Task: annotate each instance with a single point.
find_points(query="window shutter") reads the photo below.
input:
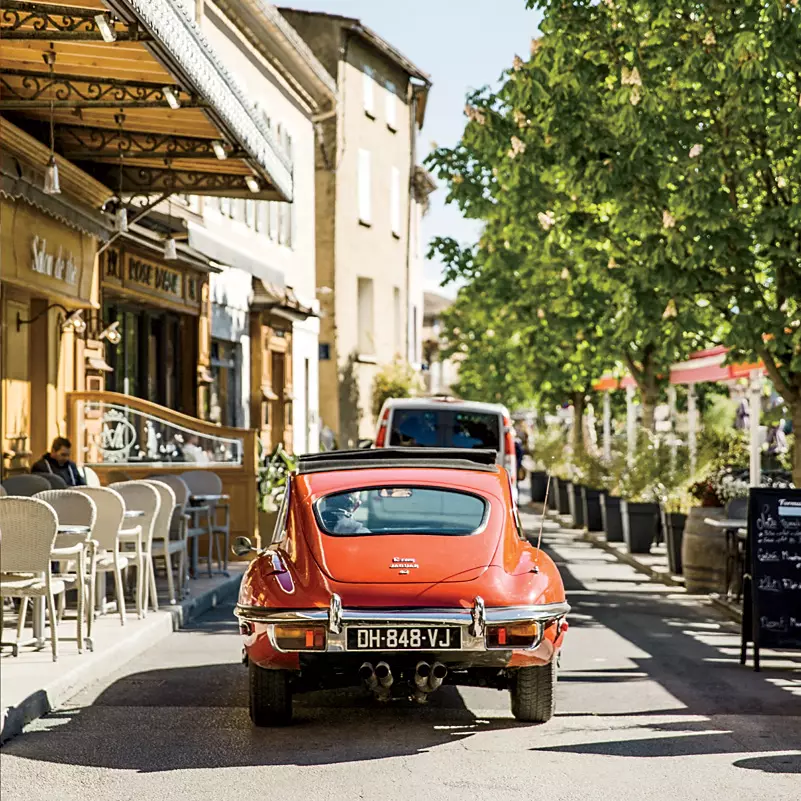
(394, 202)
(391, 107)
(367, 80)
(365, 200)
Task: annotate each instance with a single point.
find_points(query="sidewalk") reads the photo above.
(31, 685)
(653, 564)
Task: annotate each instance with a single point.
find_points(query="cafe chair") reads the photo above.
(26, 486)
(138, 542)
(55, 482)
(75, 554)
(180, 522)
(28, 529)
(168, 540)
(109, 559)
(90, 477)
(204, 482)
(3, 492)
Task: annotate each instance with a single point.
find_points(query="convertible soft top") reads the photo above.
(376, 458)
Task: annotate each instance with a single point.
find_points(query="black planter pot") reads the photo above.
(674, 534)
(591, 505)
(579, 519)
(553, 495)
(564, 498)
(539, 481)
(610, 511)
(640, 525)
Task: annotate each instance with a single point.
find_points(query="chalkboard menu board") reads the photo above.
(773, 588)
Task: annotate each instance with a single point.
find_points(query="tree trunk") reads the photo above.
(795, 414)
(644, 376)
(577, 443)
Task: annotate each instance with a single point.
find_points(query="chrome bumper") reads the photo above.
(473, 620)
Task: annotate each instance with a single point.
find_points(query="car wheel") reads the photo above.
(533, 693)
(270, 696)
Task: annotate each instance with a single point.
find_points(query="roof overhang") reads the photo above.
(710, 366)
(125, 128)
(281, 300)
(280, 44)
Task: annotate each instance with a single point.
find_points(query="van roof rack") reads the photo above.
(377, 458)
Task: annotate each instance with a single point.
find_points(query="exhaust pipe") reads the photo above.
(367, 675)
(438, 674)
(421, 675)
(384, 674)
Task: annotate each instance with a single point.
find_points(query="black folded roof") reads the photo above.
(369, 459)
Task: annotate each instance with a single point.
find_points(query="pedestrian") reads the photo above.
(743, 415)
(58, 463)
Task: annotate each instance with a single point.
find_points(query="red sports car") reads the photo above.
(400, 569)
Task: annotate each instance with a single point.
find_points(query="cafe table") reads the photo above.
(210, 502)
(736, 529)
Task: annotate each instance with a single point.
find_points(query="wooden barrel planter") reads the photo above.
(610, 513)
(703, 552)
(591, 506)
(640, 524)
(539, 481)
(579, 521)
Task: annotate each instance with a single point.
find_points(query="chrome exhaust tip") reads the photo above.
(383, 673)
(366, 671)
(422, 672)
(438, 674)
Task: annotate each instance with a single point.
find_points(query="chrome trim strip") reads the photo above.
(542, 613)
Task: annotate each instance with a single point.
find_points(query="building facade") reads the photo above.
(264, 313)
(368, 263)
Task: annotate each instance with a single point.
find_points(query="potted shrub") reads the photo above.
(272, 481)
(675, 507)
(594, 478)
(548, 453)
(611, 498)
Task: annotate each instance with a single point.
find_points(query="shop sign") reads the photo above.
(58, 266)
(154, 277)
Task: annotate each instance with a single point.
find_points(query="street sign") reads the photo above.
(772, 584)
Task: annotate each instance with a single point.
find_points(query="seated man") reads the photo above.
(338, 514)
(58, 463)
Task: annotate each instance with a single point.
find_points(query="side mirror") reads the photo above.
(242, 546)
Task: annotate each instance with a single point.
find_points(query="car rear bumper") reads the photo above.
(473, 621)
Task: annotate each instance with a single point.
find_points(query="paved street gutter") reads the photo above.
(21, 705)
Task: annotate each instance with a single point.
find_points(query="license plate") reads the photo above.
(404, 638)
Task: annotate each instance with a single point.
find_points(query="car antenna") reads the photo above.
(542, 517)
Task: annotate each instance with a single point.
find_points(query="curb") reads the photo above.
(662, 576)
(154, 628)
(732, 611)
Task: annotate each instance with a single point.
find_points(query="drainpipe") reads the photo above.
(412, 95)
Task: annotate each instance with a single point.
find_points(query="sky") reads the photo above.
(462, 45)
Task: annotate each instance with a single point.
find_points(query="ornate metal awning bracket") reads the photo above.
(84, 142)
(151, 180)
(37, 89)
(22, 20)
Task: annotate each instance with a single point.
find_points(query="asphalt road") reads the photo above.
(652, 704)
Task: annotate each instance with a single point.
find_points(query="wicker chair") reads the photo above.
(110, 511)
(169, 539)
(204, 482)
(76, 553)
(28, 528)
(26, 486)
(138, 545)
(55, 482)
(90, 477)
(180, 523)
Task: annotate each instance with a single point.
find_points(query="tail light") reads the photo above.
(509, 450)
(515, 635)
(299, 638)
(381, 436)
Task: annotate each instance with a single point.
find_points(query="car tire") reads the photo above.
(270, 696)
(533, 693)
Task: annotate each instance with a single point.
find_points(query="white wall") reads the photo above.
(306, 413)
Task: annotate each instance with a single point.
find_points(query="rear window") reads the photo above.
(400, 510)
(443, 428)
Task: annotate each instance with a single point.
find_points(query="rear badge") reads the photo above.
(404, 564)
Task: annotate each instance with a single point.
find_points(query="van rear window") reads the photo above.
(443, 428)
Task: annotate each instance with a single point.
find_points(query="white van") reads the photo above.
(444, 422)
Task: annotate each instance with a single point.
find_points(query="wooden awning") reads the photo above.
(154, 111)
